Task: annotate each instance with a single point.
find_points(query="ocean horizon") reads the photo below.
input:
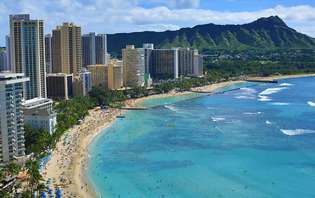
(257, 140)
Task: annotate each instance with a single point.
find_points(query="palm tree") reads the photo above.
(34, 177)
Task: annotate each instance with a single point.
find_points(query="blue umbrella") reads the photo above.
(58, 193)
(43, 195)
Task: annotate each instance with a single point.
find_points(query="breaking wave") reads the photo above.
(171, 107)
(217, 119)
(312, 104)
(285, 85)
(270, 91)
(264, 98)
(297, 132)
(280, 103)
(252, 113)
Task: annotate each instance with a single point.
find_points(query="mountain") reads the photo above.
(264, 33)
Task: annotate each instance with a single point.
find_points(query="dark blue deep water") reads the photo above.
(256, 141)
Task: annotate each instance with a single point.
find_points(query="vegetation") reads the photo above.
(263, 34)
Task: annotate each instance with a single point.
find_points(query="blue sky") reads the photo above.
(111, 16)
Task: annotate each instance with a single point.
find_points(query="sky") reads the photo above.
(113, 16)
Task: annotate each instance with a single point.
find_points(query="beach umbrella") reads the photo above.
(43, 195)
(58, 193)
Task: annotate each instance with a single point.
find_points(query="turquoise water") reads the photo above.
(256, 141)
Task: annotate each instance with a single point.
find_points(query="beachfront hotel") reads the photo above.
(11, 117)
(67, 49)
(94, 49)
(99, 75)
(115, 74)
(27, 53)
(133, 66)
(59, 86)
(82, 83)
(39, 113)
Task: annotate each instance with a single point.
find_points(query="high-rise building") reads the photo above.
(27, 53)
(11, 117)
(39, 114)
(48, 57)
(115, 74)
(3, 59)
(99, 75)
(8, 53)
(94, 49)
(198, 64)
(133, 66)
(67, 49)
(172, 63)
(185, 61)
(59, 86)
(163, 64)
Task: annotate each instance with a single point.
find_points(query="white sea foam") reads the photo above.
(246, 93)
(280, 103)
(264, 98)
(297, 132)
(252, 113)
(312, 104)
(170, 107)
(268, 122)
(245, 97)
(286, 84)
(248, 90)
(270, 91)
(217, 119)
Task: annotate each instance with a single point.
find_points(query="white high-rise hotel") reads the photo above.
(11, 116)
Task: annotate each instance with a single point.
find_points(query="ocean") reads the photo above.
(256, 140)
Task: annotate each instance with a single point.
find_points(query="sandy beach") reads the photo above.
(69, 160)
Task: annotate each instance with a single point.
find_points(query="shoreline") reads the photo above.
(70, 160)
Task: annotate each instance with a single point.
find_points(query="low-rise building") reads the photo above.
(59, 86)
(39, 113)
(82, 84)
(115, 74)
(11, 116)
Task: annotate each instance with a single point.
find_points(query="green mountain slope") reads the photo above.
(265, 33)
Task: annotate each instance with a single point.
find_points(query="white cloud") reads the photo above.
(111, 16)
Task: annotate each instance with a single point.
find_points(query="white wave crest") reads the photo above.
(297, 132)
(264, 98)
(217, 119)
(268, 122)
(248, 90)
(285, 85)
(245, 97)
(171, 107)
(246, 93)
(280, 103)
(252, 113)
(312, 104)
(270, 91)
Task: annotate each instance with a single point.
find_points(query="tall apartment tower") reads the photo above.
(8, 52)
(94, 49)
(133, 66)
(67, 49)
(28, 53)
(11, 117)
(3, 59)
(48, 57)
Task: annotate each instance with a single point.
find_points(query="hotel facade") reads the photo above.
(11, 117)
